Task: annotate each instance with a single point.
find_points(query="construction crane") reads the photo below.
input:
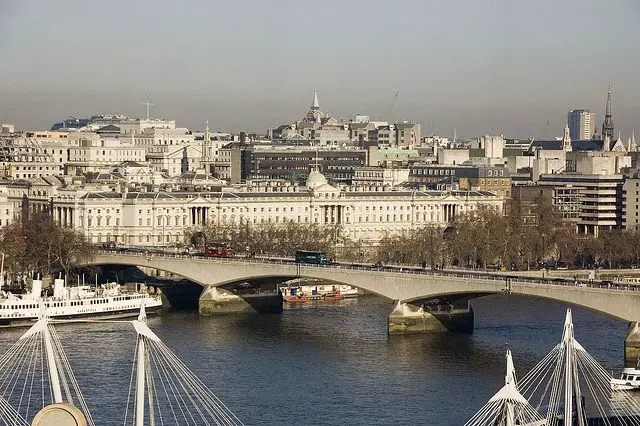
(544, 133)
(393, 102)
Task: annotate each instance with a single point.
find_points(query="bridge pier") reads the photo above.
(216, 301)
(632, 344)
(407, 319)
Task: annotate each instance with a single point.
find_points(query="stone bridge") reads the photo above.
(409, 287)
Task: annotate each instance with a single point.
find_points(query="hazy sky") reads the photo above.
(482, 66)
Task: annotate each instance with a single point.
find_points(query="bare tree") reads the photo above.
(38, 245)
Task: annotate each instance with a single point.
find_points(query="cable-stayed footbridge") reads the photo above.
(568, 387)
(38, 386)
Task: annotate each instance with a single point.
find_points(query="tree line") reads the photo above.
(271, 239)
(36, 245)
(524, 236)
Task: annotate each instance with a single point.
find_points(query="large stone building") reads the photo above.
(106, 140)
(6, 208)
(492, 147)
(242, 162)
(323, 130)
(93, 154)
(593, 202)
(383, 176)
(631, 201)
(22, 157)
(144, 217)
(479, 178)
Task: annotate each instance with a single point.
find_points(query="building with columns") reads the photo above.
(161, 218)
(6, 210)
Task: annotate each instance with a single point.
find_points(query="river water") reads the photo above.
(332, 363)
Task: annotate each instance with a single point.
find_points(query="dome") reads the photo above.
(315, 179)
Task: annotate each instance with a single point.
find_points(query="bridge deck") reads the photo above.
(395, 282)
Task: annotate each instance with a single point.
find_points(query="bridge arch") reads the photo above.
(408, 286)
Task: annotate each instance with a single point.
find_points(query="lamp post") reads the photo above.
(2, 271)
(164, 219)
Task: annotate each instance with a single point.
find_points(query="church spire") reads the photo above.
(566, 139)
(314, 115)
(607, 124)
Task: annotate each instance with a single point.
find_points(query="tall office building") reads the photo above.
(582, 124)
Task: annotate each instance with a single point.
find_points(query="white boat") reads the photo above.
(629, 379)
(73, 302)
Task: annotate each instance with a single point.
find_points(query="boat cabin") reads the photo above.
(631, 377)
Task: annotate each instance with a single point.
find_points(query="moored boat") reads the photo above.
(306, 293)
(108, 300)
(629, 379)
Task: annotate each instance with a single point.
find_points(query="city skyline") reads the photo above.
(480, 68)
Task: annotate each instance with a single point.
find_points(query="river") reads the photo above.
(332, 363)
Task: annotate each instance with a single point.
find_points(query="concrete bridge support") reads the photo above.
(217, 301)
(410, 286)
(407, 319)
(632, 344)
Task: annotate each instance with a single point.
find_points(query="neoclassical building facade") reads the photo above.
(160, 218)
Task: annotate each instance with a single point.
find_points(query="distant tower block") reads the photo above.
(582, 124)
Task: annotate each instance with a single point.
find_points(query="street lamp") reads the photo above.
(2, 271)
(164, 219)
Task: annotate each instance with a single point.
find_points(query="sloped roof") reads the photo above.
(101, 195)
(578, 145)
(49, 180)
(131, 164)
(109, 128)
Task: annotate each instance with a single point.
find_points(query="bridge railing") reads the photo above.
(453, 273)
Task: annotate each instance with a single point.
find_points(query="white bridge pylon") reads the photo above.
(36, 380)
(507, 407)
(567, 387)
(34, 374)
(166, 391)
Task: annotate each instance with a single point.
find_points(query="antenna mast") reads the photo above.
(148, 104)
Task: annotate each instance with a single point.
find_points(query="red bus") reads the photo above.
(218, 250)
